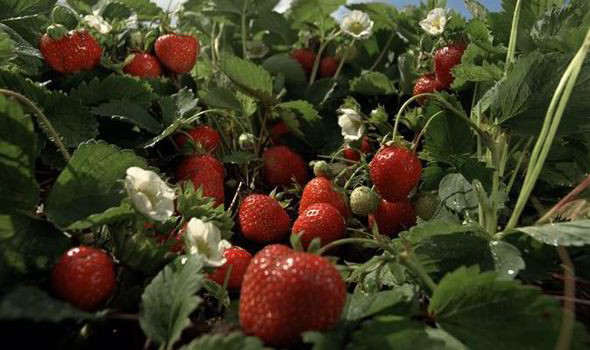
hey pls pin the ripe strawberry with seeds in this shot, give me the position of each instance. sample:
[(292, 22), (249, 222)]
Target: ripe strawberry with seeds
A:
[(177, 52), (277, 131), (203, 171), (395, 171), (286, 293), (85, 277), (262, 219), (322, 190), (69, 52), (305, 57), (426, 84), (328, 67), (238, 258), (320, 220), (191, 164), (143, 65), (354, 155), (205, 135), (281, 165), (444, 60), (393, 217)]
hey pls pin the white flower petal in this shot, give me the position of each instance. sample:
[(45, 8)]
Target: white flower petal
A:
[(205, 240), (435, 21), (150, 195), (357, 24), (351, 124)]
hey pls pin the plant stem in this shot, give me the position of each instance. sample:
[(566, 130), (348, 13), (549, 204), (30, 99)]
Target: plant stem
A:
[(348, 182), (568, 318), (221, 295), (518, 165), (244, 30), (418, 269), (45, 123), (569, 197), (341, 63), (550, 125), (423, 131), (347, 241), (384, 51), (513, 35)]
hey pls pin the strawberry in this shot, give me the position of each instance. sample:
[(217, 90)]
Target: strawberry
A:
[(320, 220), (281, 164), (444, 60), (426, 205), (354, 155), (321, 190), (286, 293), (85, 277), (277, 131), (426, 84), (262, 219), (305, 57), (177, 52), (238, 259), (73, 52), (363, 201), (395, 171), (205, 135), (328, 67), (322, 169), (143, 65), (193, 163), (392, 218)]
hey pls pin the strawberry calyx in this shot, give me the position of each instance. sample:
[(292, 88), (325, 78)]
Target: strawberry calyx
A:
[(56, 31)]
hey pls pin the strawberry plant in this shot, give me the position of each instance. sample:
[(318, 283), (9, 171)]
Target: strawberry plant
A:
[(157, 175)]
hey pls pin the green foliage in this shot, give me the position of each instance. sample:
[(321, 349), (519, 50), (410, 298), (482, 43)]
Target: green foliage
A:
[(373, 84), (278, 27), (169, 299), (302, 108), (221, 98), (19, 8), (573, 233), (130, 112), (33, 304), (486, 313), (18, 150), (446, 135), (82, 6), (470, 72), (313, 11), (231, 341), (285, 65), (113, 87), (457, 194), (508, 260), (248, 77), (139, 251), (109, 216), (24, 55), (564, 28), (239, 157), (145, 9), (6, 49), (91, 183)]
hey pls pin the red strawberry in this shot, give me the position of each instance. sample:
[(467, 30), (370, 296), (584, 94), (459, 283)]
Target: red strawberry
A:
[(281, 164), (395, 171), (321, 220), (204, 135), (85, 277), (305, 57), (239, 259), (143, 65), (286, 293), (444, 60), (392, 218), (262, 219), (354, 155), (426, 84), (71, 53), (193, 163), (177, 52), (278, 130), (321, 190), (328, 67)]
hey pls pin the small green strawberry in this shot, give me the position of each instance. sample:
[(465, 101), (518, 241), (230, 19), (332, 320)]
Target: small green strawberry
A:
[(322, 169), (363, 201), (426, 205)]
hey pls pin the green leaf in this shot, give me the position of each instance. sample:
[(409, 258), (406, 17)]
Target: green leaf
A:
[(406, 64), (287, 66), (372, 83), (476, 8), (303, 108), (145, 9), (141, 252), (468, 72), (116, 11), (175, 108), (239, 157), (33, 304), (221, 98), (91, 183), (114, 87), (71, 120), (248, 77), (486, 313), (361, 305), (480, 35), (21, 8), (82, 6), (169, 299), (563, 28), (457, 194), (231, 341), (446, 134), (26, 57), (507, 260), (18, 151), (520, 101), (442, 247), (332, 339), (6, 49), (314, 10), (109, 216), (277, 25), (130, 112), (572, 233), (64, 16)]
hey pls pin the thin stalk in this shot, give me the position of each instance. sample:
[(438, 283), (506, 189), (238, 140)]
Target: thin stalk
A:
[(316, 63), (552, 120), (341, 63), (423, 131), (347, 241), (221, 295), (364, 166), (244, 29), (513, 35), (568, 318), (384, 51), (518, 165), (418, 269), (569, 197), (45, 123)]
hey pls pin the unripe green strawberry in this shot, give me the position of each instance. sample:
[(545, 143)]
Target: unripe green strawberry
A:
[(322, 169), (363, 201), (426, 205)]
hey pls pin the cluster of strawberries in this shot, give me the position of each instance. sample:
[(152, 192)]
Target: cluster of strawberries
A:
[(306, 58)]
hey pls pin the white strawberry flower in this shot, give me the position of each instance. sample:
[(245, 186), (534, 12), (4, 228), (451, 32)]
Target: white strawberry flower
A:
[(357, 24), (204, 239), (149, 193), (97, 22), (434, 23), (351, 123), (246, 140)]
